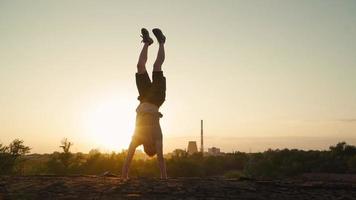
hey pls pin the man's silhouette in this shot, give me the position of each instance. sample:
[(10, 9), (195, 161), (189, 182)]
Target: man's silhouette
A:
[(151, 96)]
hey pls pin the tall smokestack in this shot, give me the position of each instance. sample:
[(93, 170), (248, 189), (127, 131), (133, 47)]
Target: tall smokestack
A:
[(201, 137)]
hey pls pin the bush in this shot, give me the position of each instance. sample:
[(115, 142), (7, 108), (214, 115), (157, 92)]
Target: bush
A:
[(11, 157), (340, 158), (352, 164), (233, 174)]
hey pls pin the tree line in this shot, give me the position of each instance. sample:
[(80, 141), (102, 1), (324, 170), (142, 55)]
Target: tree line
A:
[(340, 158)]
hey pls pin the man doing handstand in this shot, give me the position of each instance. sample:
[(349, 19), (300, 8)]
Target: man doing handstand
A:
[(151, 96)]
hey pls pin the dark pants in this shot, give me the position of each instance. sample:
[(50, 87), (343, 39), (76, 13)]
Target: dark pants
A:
[(152, 92)]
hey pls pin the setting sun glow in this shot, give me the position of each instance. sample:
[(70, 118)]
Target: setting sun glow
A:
[(109, 124)]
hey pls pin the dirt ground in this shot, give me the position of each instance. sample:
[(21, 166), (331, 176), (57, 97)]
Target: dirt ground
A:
[(99, 187)]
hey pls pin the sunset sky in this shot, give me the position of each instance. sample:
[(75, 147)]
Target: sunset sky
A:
[(262, 74)]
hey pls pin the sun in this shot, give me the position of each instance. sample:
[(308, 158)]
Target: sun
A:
[(109, 124)]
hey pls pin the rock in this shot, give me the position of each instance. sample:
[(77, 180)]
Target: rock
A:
[(108, 174), (85, 187)]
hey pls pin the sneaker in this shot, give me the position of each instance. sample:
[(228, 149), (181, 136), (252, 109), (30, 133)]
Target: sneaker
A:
[(146, 36), (159, 35)]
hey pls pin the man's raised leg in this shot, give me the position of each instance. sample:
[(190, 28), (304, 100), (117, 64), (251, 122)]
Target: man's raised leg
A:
[(147, 40), (157, 66), (141, 65)]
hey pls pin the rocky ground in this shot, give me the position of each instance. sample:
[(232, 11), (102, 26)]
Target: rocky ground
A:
[(103, 187)]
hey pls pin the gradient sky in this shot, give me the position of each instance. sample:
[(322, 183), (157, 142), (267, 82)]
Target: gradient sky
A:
[(262, 74)]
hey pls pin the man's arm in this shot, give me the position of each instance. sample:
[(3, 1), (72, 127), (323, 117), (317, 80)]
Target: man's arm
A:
[(160, 159), (130, 154)]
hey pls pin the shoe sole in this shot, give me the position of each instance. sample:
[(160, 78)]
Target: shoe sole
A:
[(146, 35), (159, 35)]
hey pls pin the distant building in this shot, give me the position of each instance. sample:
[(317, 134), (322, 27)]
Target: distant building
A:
[(179, 153), (192, 147), (214, 151), (201, 137)]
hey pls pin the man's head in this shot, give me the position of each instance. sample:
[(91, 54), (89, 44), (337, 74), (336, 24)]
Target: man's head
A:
[(150, 149)]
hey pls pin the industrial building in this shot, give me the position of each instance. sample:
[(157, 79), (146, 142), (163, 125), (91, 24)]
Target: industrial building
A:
[(213, 151), (192, 147)]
